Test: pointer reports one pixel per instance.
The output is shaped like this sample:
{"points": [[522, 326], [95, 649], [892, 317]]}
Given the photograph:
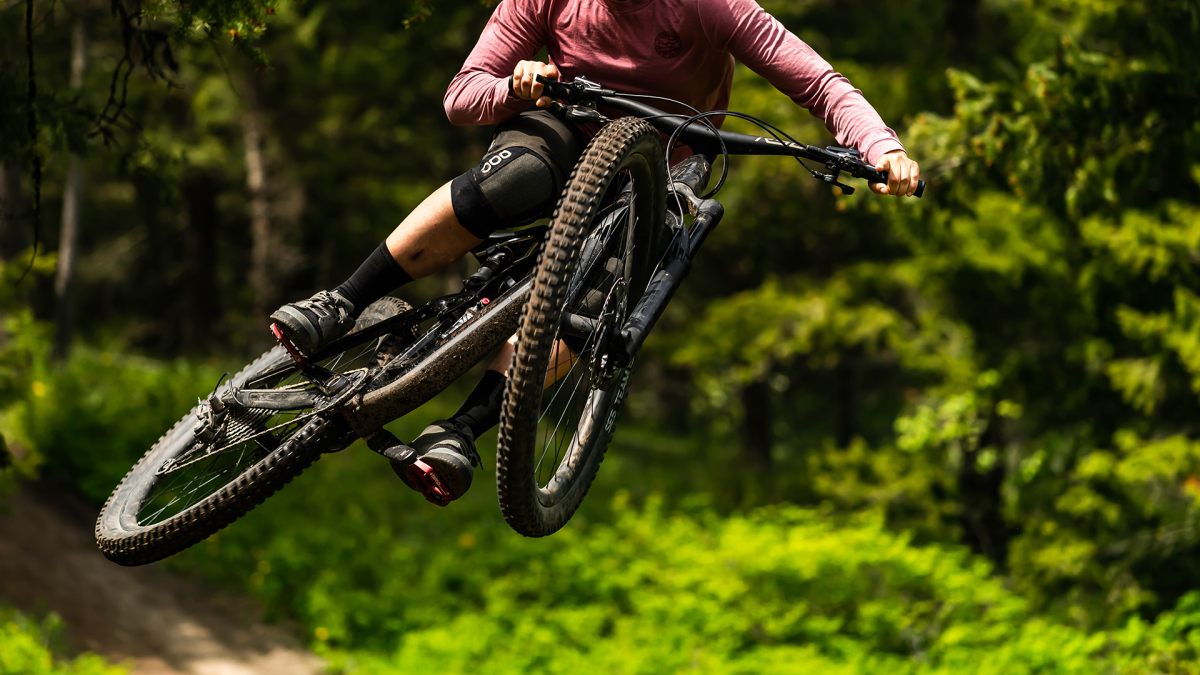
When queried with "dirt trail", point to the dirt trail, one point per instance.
{"points": [[162, 623]]}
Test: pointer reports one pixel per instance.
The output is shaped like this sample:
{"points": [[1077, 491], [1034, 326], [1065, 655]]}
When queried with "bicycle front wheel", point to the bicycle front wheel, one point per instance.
{"points": [[565, 385]]}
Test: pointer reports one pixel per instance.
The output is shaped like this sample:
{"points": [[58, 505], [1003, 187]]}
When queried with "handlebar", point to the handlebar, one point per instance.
{"points": [[703, 140]]}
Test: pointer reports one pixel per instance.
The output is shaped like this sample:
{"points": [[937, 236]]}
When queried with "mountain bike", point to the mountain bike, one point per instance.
{"points": [[582, 293]]}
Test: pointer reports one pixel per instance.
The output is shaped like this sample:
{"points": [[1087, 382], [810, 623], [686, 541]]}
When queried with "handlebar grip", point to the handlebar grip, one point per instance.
{"points": [[882, 177], [553, 88]]}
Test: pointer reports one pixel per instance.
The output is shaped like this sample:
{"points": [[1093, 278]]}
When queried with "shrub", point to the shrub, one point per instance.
{"points": [[24, 650], [91, 419]]}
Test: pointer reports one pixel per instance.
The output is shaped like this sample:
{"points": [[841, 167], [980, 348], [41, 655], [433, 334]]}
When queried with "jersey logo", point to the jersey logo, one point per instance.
{"points": [[668, 45]]}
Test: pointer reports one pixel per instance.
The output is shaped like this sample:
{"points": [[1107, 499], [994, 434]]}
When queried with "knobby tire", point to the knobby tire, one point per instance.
{"points": [[628, 147]]}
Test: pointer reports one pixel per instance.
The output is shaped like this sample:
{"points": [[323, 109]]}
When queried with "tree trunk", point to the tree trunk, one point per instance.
{"points": [[64, 281], [262, 278], [759, 420], [201, 309], [13, 238], [12, 233], [962, 22]]}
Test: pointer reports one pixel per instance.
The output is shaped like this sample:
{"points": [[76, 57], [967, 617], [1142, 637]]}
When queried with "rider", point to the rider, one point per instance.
{"points": [[678, 49]]}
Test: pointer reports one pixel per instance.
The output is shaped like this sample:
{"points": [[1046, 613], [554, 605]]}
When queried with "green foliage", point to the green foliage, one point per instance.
{"points": [[22, 339], [1011, 363], [91, 418], [384, 582], [24, 651], [1029, 329]]}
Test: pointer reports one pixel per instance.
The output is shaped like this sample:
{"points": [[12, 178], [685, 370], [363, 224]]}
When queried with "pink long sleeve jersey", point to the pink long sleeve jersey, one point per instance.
{"points": [[680, 49]]}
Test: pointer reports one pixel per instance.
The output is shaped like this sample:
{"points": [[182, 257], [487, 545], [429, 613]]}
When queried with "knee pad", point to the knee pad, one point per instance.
{"points": [[510, 187]]}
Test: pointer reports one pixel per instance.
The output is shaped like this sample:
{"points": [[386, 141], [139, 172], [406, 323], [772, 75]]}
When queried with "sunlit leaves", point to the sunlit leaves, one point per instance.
{"points": [[24, 650]]}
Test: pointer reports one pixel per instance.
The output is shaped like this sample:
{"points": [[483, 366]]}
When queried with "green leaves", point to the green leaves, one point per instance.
{"points": [[23, 649]]}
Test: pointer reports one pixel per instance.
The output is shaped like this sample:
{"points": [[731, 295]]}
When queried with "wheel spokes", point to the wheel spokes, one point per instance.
{"points": [[559, 435], [195, 479]]}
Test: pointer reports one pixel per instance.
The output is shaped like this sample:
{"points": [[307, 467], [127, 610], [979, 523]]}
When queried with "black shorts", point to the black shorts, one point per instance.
{"points": [[522, 174]]}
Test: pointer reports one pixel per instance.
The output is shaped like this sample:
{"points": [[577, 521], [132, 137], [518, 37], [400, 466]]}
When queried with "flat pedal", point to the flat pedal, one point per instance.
{"points": [[426, 481], [301, 362]]}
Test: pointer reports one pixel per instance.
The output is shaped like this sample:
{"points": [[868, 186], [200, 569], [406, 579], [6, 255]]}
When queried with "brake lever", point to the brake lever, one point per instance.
{"points": [[833, 179], [580, 114], [850, 160]]}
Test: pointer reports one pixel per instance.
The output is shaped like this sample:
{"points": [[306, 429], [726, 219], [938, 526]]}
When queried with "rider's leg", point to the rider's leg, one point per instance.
{"points": [[480, 412], [431, 237], [425, 242], [516, 182]]}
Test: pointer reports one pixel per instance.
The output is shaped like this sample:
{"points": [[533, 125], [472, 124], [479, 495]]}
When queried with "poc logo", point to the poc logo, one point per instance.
{"points": [[495, 161]]}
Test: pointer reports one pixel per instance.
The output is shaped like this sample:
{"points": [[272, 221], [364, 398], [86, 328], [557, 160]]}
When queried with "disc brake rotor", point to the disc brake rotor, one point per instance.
{"points": [[606, 366]]}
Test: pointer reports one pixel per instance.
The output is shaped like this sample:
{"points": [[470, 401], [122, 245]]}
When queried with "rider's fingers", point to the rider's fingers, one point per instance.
{"points": [[543, 102], [883, 164], [551, 72], [893, 178], [528, 83], [914, 178], [905, 172], [519, 79]]}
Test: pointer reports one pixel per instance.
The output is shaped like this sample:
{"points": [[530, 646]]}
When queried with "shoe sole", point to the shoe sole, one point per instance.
{"points": [[288, 322]]}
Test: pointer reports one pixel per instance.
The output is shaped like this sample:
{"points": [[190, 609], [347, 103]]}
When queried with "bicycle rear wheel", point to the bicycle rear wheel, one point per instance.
{"points": [[184, 490], [597, 261]]}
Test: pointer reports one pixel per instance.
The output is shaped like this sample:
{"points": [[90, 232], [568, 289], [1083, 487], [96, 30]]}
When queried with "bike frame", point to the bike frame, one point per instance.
{"points": [[499, 319], [473, 323]]}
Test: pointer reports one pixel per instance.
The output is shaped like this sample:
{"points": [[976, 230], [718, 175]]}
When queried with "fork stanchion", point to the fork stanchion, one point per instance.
{"points": [[666, 281]]}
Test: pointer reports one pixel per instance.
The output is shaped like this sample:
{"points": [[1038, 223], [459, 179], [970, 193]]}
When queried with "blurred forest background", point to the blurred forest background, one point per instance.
{"points": [[959, 434]]}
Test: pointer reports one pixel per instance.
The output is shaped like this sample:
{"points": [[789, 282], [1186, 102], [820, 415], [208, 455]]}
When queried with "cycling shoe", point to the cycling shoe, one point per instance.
{"points": [[445, 462], [314, 323]]}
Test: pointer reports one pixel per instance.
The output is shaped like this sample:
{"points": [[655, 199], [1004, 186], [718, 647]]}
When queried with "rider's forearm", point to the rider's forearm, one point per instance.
{"points": [[760, 41], [479, 94], [477, 97]]}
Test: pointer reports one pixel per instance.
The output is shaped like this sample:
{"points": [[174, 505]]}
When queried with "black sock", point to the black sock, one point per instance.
{"points": [[379, 275], [481, 411]]}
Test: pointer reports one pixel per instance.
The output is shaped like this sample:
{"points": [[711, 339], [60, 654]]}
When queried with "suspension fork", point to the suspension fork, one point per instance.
{"points": [[689, 177], [670, 275]]}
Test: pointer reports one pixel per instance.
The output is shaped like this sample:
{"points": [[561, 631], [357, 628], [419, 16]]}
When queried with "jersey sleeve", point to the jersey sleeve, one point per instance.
{"points": [[479, 93], [757, 39]]}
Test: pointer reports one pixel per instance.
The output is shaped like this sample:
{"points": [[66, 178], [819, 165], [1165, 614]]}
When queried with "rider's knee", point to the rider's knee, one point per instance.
{"points": [[510, 187]]}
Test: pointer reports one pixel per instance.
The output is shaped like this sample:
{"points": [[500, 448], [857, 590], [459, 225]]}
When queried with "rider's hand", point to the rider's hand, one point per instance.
{"points": [[525, 87], [903, 174]]}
